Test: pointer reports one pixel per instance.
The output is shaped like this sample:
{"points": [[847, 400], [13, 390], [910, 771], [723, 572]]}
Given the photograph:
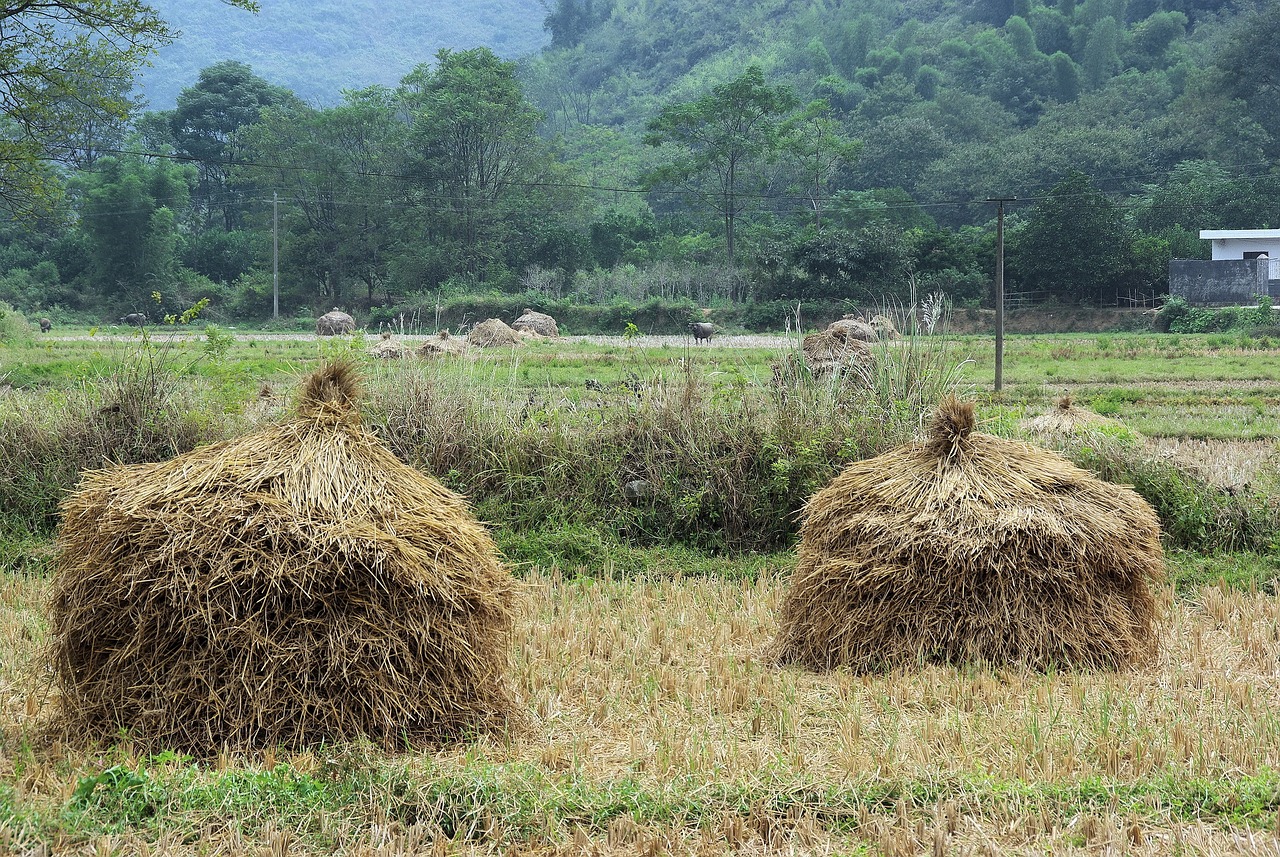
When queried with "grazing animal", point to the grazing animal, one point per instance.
{"points": [[702, 330], [134, 319], [45, 325]]}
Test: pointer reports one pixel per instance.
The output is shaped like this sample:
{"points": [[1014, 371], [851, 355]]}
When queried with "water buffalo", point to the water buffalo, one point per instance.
{"points": [[702, 330], [134, 319], [45, 325]]}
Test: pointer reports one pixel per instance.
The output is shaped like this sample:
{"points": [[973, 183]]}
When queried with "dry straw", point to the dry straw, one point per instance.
{"points": [[493, 333], [537, 322], [966, 547], [293, 586], [1067, 422]]}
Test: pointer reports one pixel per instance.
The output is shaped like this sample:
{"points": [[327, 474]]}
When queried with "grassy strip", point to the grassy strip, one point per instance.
{"points": [[521, 802]]}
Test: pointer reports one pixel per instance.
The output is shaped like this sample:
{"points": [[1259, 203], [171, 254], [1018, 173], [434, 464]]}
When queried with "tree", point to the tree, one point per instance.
{"points": [[205, 125], [1248, 68], [484, 180], [818, 150], [721, 141], [61, 61], [340, 188], [1073, 245], [128, 213]]}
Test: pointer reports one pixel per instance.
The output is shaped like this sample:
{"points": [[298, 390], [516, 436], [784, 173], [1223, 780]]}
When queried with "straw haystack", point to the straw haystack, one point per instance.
{"points": [[968, 547], [293, 586], [442, 344], [493, 333], [537, 322], [827, 354], [388, 348], [335, 323], [851, 327], [1068, 422], [884, 327]]}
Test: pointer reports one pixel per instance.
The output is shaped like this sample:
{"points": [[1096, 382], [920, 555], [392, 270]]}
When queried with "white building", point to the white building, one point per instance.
{"points": [[1246, 244]]}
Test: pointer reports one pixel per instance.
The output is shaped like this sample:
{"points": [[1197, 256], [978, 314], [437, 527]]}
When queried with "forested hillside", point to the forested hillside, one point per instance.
{"points": [[321, 47], [741, 155]]}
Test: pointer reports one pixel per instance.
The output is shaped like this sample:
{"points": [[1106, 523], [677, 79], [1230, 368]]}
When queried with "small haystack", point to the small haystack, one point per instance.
{"points": [[293, 586], [335, 323], [968, 547], [493, 333], [537, 322], [442, 345], [388, 348], [827, 354], [851, 327], [1068, 422], [884, 328]]}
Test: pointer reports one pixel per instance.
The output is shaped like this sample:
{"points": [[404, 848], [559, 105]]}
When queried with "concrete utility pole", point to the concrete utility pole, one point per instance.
{"points": [[275, 255], [1000, 201]]}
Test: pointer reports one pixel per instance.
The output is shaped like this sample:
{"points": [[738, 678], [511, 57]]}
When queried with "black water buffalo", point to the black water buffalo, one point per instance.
{"points": [[702, 330], [45, 325], [134, 319]]}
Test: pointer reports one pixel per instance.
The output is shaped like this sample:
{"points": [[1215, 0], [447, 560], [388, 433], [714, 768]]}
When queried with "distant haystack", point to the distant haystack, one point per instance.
{"points": [[1068, 422], [442, 345], [884, 328], [493, 333], [850, 327], [537, 322], [827, 354], [292, 587], [388, 348], [967, 547], [335, 323]]}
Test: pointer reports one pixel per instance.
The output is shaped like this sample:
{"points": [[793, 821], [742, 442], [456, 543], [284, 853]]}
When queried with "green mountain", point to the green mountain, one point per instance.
{"points": [[318, 48]]}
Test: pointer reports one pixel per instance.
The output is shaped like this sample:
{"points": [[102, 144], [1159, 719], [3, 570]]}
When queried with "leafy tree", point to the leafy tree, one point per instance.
{"points": [[60, 63], [339, 189], [1073, 244], [483, 176], [819, 150], [205, 127], [722, 142], [1101, 58], [1248, 68], [128, 215]]}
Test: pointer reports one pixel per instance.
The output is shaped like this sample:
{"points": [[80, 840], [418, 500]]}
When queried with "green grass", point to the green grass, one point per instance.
{"points": [[520, 802]]}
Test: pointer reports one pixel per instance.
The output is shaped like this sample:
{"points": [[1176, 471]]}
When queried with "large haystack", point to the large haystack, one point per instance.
{"points": [[335, 323], [493, 333], [827, 354], [537, 322], [968, 547], [852, 327], [1067, 422], [293, 586]]}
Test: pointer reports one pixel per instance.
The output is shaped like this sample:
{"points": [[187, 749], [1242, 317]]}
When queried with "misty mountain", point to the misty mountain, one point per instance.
{"points": [[320, 47]]}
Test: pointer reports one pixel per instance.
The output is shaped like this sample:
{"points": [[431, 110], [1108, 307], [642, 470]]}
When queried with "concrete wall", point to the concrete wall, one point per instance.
{"points": [[1225, 282]]}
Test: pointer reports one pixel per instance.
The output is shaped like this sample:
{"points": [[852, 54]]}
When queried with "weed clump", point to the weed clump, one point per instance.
{"points": [[290, 587], [967, 547]]}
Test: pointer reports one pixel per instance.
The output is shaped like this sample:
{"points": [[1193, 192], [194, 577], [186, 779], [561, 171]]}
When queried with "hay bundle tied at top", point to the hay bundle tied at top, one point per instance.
{"points": [[966, 547], [537, 322], [827, 354], [293, 586], [1067, 422], [442, 344], [493, 333]]}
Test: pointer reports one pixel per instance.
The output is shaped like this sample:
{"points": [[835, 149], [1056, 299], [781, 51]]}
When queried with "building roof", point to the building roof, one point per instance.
{"points": [[1213, 234]]}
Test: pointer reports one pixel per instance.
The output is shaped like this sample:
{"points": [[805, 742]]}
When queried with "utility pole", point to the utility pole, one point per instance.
{"points": [[1000, 201], [275, 255]]}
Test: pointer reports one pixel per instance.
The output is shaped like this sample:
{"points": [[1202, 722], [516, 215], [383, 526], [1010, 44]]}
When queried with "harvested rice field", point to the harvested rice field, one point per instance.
{"points": [[655, 725], [644, 494]]}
